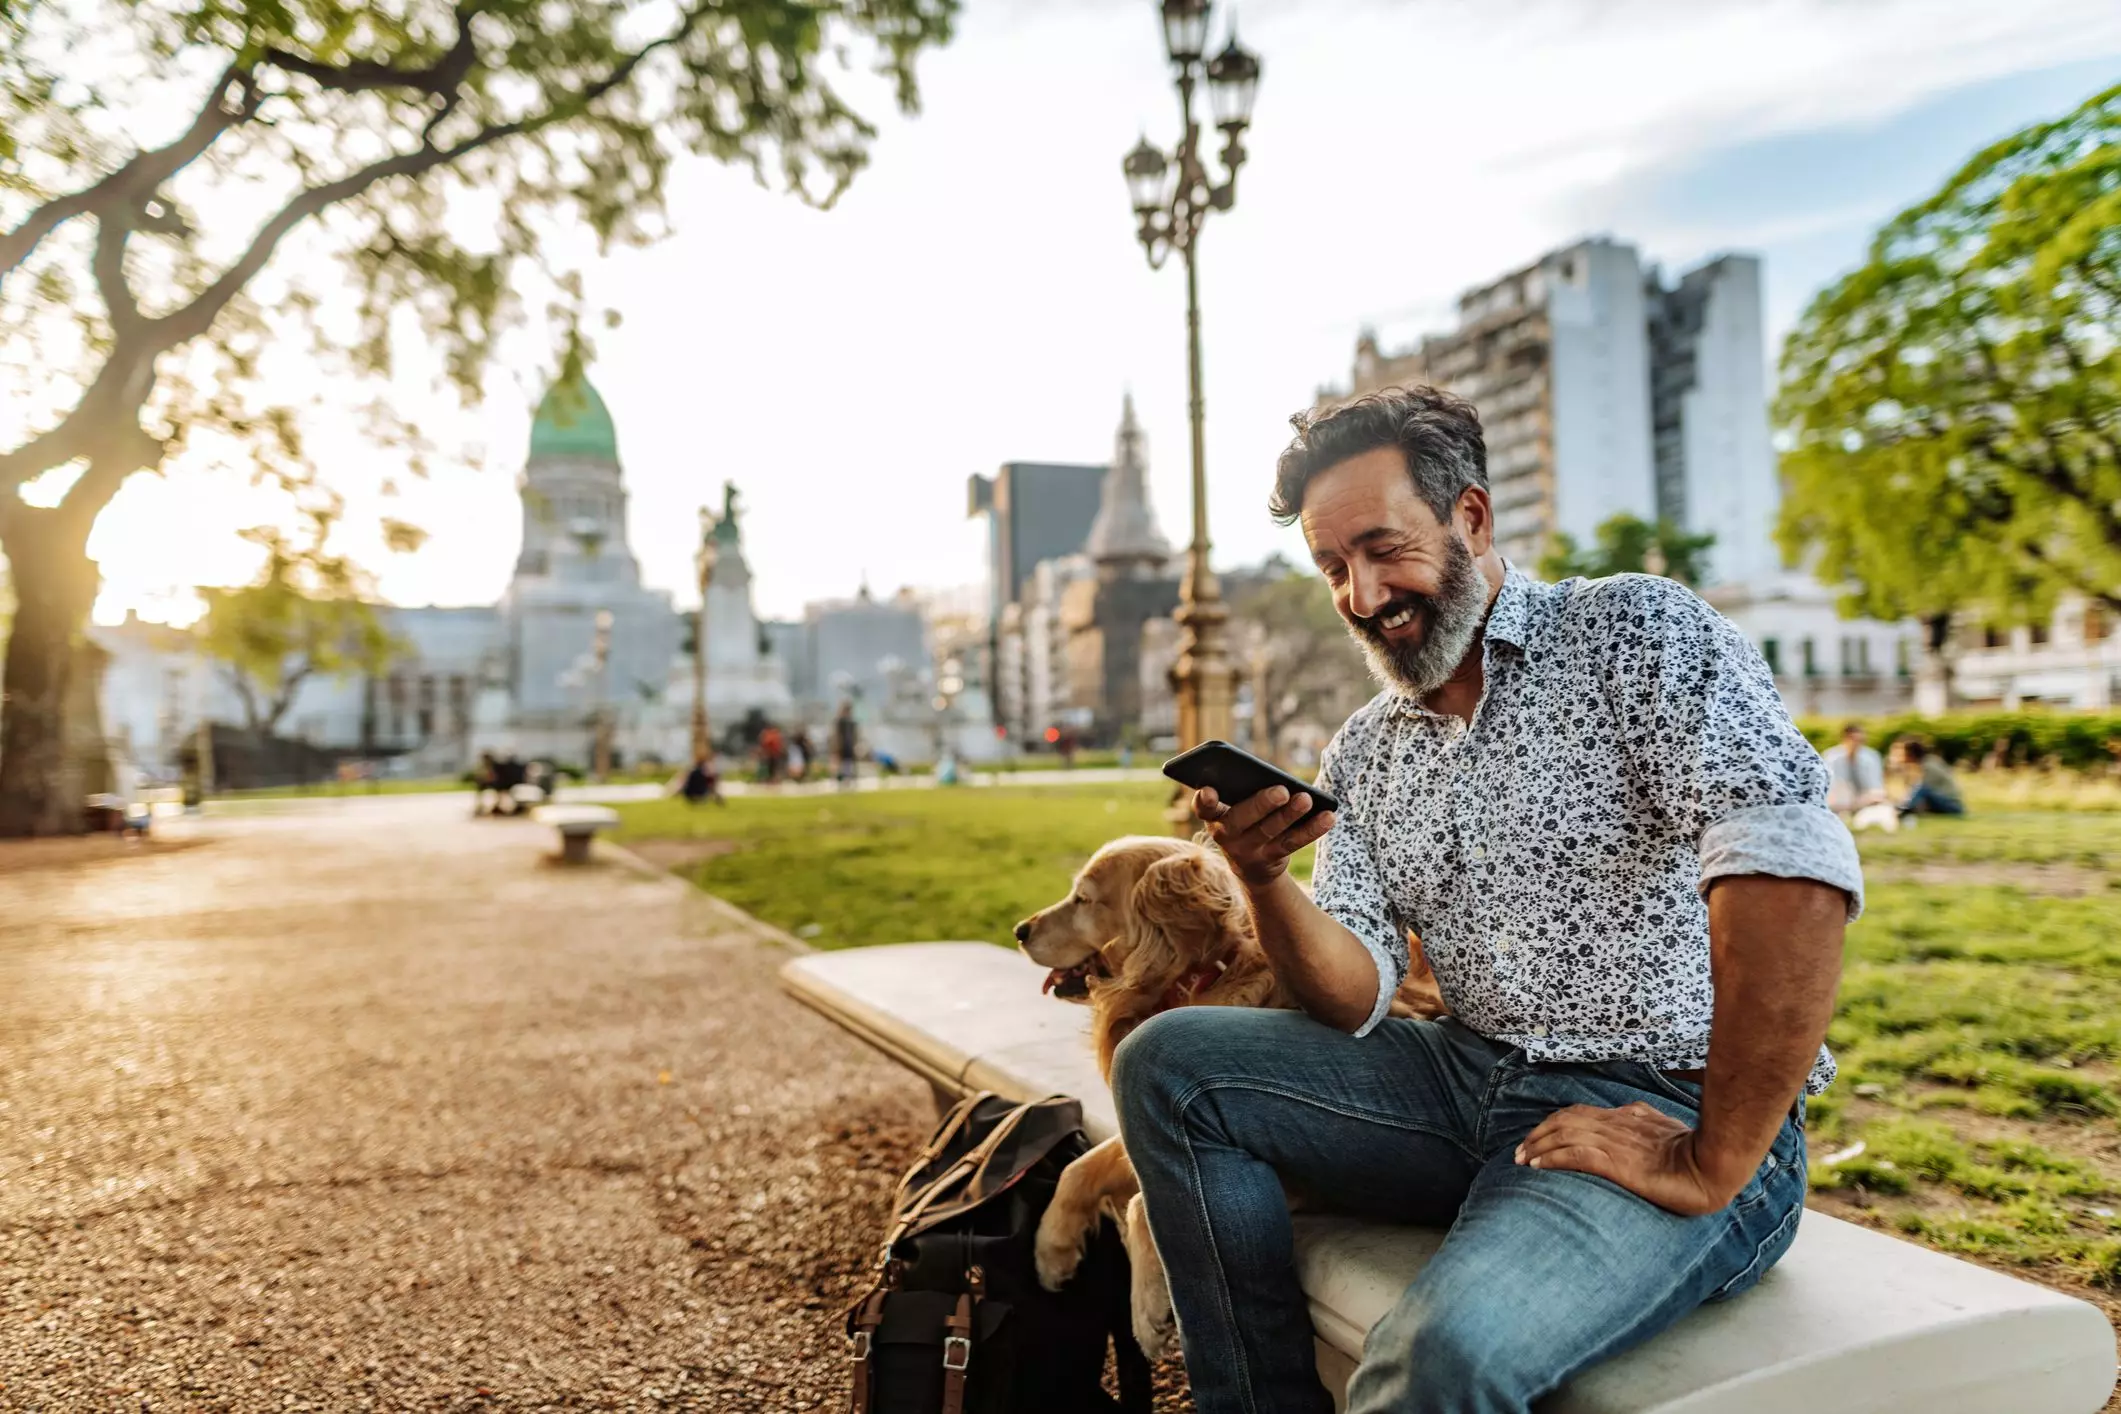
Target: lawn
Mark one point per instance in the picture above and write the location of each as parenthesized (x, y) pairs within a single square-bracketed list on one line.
[(1979, 1028), (892, 866)]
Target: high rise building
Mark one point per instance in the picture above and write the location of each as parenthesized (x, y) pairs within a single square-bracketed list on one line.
[(1714, 460), (1555, 356), (1036, 511)]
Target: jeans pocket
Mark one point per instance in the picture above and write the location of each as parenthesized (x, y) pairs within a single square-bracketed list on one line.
[(1686, 1092), (1767, 1249)]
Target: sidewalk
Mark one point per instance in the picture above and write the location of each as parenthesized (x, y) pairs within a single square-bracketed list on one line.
[(372, 1108)]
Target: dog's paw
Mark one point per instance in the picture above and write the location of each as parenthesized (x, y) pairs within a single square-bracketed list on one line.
[(1059, 1249), (1155, 1323)]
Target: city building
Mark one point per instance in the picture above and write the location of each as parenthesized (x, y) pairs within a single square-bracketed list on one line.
[(2072, 660), (1713, 454), (1135, 584), (1604, 391), (1036, 511), (521, 675)]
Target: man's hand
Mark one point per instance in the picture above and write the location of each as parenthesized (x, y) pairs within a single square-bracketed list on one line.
[(1637, 1146), (1259, 834)]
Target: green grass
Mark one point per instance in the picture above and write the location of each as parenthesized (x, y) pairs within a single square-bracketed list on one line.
[(1980, 1013), (899, 865)]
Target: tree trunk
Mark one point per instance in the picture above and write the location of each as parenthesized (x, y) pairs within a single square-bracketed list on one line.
[(41, 790)]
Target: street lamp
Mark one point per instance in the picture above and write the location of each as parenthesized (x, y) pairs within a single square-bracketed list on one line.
[(600, 653), (703, 562), (1172, 195)]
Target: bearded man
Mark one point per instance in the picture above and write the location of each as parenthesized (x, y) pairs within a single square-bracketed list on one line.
[(1589, 804)]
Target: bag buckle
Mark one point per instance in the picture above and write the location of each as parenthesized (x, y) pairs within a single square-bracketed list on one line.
[(957, 1353), (858, 1346)]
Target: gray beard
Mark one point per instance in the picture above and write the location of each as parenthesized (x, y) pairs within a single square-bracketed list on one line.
[(1453, 615)]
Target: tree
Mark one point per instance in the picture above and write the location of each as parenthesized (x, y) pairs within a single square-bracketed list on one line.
[(421, 163), (1630, 545), (1291, 642), (305, 615), (1952, 410)]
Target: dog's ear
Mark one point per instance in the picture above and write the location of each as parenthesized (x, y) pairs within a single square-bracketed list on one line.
[(1176, 917)]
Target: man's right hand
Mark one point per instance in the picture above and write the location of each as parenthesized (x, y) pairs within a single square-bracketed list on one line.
[(1258, 834)]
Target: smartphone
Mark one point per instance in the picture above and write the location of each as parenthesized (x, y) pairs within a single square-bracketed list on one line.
[(1237, 775)]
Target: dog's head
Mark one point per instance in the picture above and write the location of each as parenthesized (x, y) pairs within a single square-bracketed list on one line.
[(1142, 912)]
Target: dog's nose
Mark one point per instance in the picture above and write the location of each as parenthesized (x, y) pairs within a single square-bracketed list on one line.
[(1023, 931)]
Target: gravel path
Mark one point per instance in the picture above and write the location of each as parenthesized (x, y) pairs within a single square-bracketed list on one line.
[(365, 1106)]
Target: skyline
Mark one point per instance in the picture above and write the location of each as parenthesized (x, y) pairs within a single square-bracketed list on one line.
[(978, 297)]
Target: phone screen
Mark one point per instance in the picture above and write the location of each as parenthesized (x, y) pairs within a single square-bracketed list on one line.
[(1235, 775)]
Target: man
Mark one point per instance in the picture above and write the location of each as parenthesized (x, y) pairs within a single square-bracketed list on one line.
[(1936, 789), (1855, 775), (1588, 802), (845, 744)]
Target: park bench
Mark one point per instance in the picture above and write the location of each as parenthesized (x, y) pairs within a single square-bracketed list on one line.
[(577, 825), (1850, 1320)]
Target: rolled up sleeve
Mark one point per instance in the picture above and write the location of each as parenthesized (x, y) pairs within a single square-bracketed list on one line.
[(1717, 751), (1347, 887)]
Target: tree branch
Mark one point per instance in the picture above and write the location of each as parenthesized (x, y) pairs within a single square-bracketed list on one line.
[(140, 177), (108, 264), (197, 317), (368, 75)]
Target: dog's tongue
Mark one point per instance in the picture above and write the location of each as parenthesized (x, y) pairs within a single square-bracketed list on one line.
[(1053, 979)]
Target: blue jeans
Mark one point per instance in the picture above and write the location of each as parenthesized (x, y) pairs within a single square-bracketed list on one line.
[(1927, 802), (1543, 1274)]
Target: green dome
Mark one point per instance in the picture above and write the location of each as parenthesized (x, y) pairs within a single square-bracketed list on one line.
[(573, 422)]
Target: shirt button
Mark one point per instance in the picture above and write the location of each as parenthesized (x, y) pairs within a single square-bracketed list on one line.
[(1539, 1031), (1480, 851)]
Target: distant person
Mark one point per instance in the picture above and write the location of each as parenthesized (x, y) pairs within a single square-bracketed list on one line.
[(1066, 746), (846, 744), (802, 754), (773, 754), (1937, 789), (483, 777), (1855, 775), (701, 783)]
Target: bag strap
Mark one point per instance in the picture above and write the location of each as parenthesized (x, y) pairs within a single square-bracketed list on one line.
[(952, 1123), (968, 1163), (957, 1341), (866, 1315)]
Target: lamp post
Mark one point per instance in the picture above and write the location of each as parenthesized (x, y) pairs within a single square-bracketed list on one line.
[(600, 651), (703, 562), (1172, 196)]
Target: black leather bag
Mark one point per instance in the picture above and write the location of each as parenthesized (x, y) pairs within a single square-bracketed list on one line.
[(957, 1322)]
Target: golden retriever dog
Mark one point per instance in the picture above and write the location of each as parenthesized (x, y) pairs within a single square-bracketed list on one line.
[(1148, 925)]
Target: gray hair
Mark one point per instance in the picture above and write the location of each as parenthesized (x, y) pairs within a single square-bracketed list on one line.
[(1439, 434)]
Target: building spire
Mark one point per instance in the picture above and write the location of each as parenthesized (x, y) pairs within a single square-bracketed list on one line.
[(1125, 533)]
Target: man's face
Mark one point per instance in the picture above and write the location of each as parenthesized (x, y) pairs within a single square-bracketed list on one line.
[(1405, 584), (1854, 737)]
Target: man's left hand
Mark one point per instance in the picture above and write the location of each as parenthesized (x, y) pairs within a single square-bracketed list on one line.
[(1637, 1146)]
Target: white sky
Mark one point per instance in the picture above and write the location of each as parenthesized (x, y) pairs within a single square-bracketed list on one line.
[(977, 297)]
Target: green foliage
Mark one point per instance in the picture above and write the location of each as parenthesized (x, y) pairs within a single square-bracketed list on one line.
[(1953, 408), (440, 152), (303, 616), (2077, 740), (1628, 544)]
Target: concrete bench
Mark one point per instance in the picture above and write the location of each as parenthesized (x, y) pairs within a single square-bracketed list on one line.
[(1850, 1320), (578, 825)]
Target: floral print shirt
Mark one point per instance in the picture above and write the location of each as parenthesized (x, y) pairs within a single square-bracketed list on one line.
[(1553, 855)]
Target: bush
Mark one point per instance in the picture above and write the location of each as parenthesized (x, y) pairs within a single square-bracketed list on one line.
[(2080, 741)]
